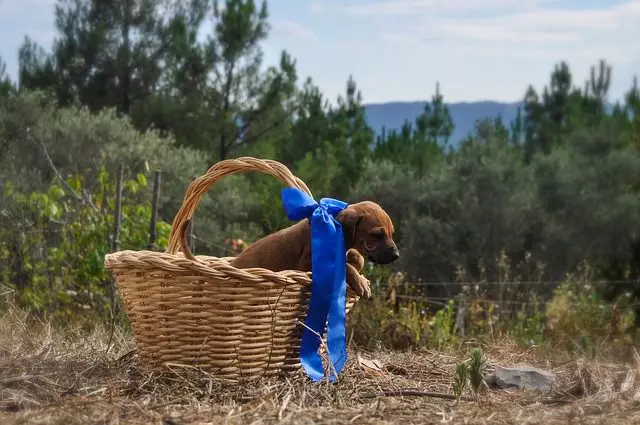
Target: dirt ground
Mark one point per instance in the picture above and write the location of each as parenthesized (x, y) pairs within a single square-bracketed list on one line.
[(49, 377)]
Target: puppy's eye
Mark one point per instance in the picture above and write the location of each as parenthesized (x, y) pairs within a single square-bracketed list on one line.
[(377, 235)]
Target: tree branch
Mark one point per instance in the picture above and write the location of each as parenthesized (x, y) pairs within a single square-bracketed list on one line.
[(85, 197), (415, 393)]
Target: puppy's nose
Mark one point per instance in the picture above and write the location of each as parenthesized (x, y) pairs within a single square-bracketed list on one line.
[(395, 254)]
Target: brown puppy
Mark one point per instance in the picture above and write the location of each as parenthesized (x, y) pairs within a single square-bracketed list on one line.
[(368, 232)]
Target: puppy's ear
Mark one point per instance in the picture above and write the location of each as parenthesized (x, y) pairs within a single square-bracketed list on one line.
[(349, 219)]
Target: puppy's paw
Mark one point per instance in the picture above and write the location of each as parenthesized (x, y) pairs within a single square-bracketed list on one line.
[(355, 259), (362, 287)]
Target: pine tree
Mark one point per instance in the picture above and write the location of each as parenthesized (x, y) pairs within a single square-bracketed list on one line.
[(439, 123), (36, 68), (240, 92), (516, 127), (433, 128), (601, 83), (548, 117), (396, 146), (352, 136), (106, 53), (632, 112), (6, 85), (632, 100), (594, 96), (310, 128), (556, 99), (218, 97)]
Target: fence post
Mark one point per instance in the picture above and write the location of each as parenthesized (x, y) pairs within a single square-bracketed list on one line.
[(115, 242), (154, 212), (460, 316)]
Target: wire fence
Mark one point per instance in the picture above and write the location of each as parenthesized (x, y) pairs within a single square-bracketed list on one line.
[(522, 283), (517, 296)]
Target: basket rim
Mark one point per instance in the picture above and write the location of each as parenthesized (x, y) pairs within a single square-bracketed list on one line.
[(204, 265)]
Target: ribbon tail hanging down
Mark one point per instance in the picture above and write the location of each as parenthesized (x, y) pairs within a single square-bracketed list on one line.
[(336, 329), (328, 287)]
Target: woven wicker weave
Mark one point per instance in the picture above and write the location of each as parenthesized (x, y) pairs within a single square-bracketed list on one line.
[(201, 311)]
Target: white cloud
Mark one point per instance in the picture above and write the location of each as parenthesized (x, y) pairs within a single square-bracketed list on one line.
[(408, 39), (317, 7), (491, 49), (293, 29), (558, 19), (353, 46), (606, 32), (413, 7)]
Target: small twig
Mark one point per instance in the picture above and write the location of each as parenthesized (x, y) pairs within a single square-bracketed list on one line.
[(414, 393), (86, 198), (14, 379), (284, 405), (332, 369), (550, 401)]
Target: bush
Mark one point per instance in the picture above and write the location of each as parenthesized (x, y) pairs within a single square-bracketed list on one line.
[(55, 242), (579, 320)]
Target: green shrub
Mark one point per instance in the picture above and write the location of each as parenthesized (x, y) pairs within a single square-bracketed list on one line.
[(441, 334), (528, 327), (54, 244), (579, 320), (382, 321)]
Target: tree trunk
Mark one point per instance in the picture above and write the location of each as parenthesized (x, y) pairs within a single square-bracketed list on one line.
[(125, 67)]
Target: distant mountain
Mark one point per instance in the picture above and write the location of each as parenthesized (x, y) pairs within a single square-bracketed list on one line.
[(392, 115)]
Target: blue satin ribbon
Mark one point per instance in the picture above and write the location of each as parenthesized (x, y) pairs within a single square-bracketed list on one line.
[(328, 286)]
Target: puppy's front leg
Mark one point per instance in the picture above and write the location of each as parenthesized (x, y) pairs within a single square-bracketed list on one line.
[(360, 284), (355, 259)]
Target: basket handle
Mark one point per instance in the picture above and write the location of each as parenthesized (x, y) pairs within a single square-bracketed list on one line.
[(198, 187)]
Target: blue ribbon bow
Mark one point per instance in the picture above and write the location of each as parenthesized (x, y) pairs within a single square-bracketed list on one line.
[(328, 286)]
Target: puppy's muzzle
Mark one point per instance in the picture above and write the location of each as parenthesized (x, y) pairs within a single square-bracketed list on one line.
[(386, 256)]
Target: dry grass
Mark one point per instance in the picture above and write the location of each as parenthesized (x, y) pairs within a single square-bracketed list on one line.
[(54, 377)]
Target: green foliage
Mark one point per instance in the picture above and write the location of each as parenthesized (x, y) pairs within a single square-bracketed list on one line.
[(442, 335), (105, 55), (528, 328), (468, 208), (579, 320), (6, 85), (460, 379), (56, 241), (376, 323), (418, 147), (79, 143), (470, 372), (477, 369)]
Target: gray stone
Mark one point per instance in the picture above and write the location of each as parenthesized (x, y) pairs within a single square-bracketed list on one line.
[(524, 377)]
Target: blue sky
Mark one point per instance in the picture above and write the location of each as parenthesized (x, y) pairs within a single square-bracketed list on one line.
[(398, 49)]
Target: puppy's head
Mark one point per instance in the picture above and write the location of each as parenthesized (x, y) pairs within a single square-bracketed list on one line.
[(368, 229)]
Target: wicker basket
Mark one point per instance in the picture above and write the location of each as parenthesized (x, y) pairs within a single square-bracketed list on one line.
[(201, 311)]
